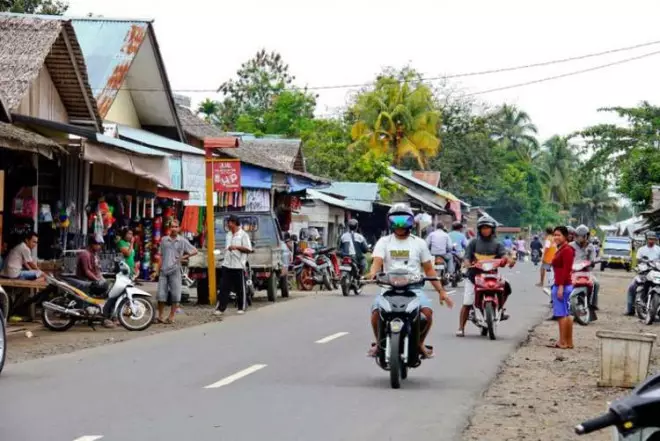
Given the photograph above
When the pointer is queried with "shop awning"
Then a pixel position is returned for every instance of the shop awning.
(129, 158)
(170, 193)
(153, 140)
(16, 138)
(341, 203)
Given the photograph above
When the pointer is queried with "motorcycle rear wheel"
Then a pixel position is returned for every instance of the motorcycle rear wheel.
(345, 284)
(489, 311)
(579, 304)
(326, 280)
(48, 315)
(395, 361)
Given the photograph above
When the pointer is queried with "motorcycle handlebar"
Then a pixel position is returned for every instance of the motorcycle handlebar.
(598, 423)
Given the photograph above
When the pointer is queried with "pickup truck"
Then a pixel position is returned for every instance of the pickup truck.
(265, 264)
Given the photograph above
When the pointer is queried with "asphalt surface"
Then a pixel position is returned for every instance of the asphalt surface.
(263, 376)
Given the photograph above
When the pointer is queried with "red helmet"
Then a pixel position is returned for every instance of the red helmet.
(309, 252)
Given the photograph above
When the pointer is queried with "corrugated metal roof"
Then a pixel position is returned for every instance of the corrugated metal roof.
(130, 146)
(358, 191)
(144, 137)
(109, 48)
(346, 204)
(407, 174)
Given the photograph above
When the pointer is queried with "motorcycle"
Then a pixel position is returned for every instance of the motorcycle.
(635, 416)
(536, 257)
(4, 312)
(350, 276)
(441, 270)
(647, 297)
(73, 304)
(581, 297)
(490, 291)
(186, 284)
(328, 255)
(309, 273)
(400, 324)
(457, 276)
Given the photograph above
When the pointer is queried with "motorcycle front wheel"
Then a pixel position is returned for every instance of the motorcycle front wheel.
(326, 280)
(3, 340)
(139, 320)
(395, 361)
(580, 309)
(489, 312)
(652, 310)
(56, 321)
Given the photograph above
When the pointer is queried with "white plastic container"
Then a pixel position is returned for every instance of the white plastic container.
(624, 357)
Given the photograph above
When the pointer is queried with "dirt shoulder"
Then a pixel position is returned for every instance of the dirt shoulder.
(43, 342)
(542, 393)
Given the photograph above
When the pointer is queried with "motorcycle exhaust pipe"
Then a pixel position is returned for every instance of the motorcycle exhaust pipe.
(57, 308)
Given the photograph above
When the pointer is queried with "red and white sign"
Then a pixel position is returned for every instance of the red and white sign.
(226, 175)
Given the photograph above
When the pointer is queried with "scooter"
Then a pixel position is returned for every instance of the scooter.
(400, 324)
(133, 307)
(580, 301)
(350, 276)
(309, 273)
(647, 298)
(632, 414)
(536, 257)
(490, 293)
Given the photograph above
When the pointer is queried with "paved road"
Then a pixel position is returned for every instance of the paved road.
(286, 386)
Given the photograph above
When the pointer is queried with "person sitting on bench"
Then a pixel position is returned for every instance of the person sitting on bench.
(19, 263)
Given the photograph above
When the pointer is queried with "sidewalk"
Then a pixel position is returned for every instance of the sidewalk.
(542, 393)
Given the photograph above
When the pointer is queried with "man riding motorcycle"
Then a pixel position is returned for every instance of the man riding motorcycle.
(536, 246)
(353, 244)
(571, 233)
(458, 238)
(584, 250)
(439, 244)
(484, 246)
(403, 251)
(651, 252)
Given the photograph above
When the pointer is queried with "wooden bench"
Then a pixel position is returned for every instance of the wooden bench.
(15, 288)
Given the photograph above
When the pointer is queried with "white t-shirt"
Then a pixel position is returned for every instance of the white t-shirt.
(236, 259)
(408, 254)
(652, 253)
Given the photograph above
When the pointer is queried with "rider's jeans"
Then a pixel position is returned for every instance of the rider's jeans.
(632, 292)
(449, 261)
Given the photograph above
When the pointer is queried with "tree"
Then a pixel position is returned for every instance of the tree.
(43, 7)
(398, 117)
(513, 128)
(630, 154)
(210, 109)
(557, 163)
(595, 204)
(262, 96)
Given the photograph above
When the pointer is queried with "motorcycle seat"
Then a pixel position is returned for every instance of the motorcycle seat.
(95, 289)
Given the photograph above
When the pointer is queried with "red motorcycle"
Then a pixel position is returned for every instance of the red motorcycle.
(312, 270)
(581, 296)
(490, 292)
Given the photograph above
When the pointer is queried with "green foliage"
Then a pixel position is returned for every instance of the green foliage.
(398, 116)
(44, 7)
(640, 170)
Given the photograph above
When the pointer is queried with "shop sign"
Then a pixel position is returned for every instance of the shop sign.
(226, 175)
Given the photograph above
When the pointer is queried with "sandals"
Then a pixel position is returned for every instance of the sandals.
(373, 350)
(460, 333)
(160, 321)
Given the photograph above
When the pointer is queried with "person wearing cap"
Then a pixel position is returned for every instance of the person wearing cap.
(650, 252)
(232, 277)
(584, 250)
(88, 266)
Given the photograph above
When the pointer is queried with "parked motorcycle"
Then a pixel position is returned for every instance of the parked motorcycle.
(4, 312)
(309, 273)
(329, 256)
(631, 414)
(647, 298)
(400, 324)
(186, 284)
(490, 290)
(133, 307)
(581, 297)
(350, 276)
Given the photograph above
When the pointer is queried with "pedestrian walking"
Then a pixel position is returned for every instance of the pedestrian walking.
(232, 274)
(174, 249)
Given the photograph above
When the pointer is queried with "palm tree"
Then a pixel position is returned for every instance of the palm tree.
(209, 109)
(398, 117)
(556, 162)
(595, 203)
(514, 130)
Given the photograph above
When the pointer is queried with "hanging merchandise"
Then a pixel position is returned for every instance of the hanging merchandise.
(147, 244)
(257, 200)
(45, 215)
(106, 215)
(24, 207)
(190, 221)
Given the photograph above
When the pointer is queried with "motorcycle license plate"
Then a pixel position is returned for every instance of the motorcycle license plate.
(262, 275)
(345, 268)
(439, 267)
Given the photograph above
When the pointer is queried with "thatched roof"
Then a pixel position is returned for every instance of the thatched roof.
(16, 138)
(196, 127)
(27, 43)
(286, 152)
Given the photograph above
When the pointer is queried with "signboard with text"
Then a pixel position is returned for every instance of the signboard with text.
(226, 175)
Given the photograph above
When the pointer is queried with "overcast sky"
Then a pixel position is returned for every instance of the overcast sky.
(343, 42)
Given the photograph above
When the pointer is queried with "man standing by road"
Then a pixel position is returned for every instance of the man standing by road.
(173, 250)
(232, 278)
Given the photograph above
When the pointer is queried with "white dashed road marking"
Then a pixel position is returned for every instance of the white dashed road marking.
(331, 337)
(89, 438)
(237, 376)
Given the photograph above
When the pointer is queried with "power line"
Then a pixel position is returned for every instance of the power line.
(564, 75)
(431, 79)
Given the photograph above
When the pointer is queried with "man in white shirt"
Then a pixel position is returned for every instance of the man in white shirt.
(403, 251)
(651, 252)
(440, 244)
(232, 278)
